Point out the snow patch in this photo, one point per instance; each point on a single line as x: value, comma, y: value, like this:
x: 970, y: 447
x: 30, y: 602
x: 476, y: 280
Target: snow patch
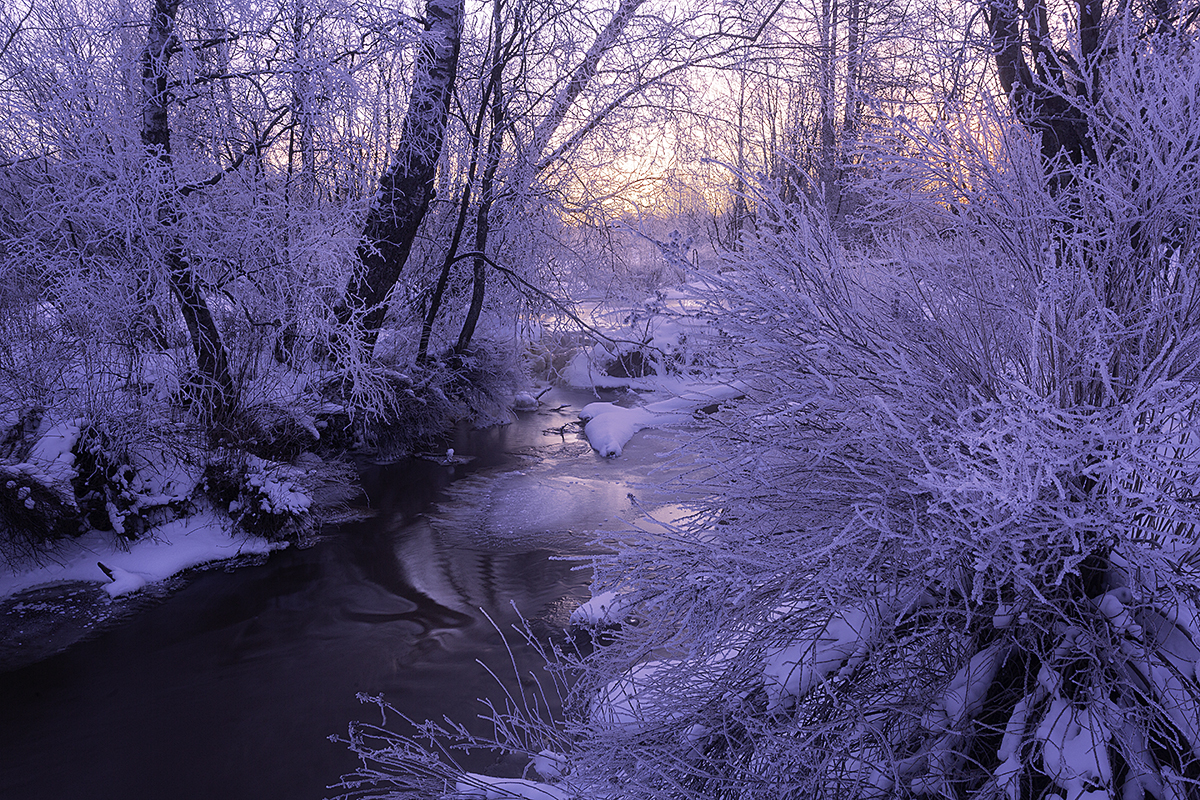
x: 173, y: 547
x: 838, y: 646
x: 550, y: 765
x: 1075, y: 750
x: 485, y: 787
x: 605, y: 609
x: 525, y: 401
x: 964, y: 697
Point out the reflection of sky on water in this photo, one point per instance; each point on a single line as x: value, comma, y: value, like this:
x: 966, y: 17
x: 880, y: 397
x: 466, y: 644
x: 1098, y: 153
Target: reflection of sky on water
x: 230, y: 685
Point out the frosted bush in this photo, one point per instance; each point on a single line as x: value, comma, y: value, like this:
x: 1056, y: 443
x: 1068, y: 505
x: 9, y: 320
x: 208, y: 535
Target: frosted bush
x: 952, y: 549
x: 964, y: 471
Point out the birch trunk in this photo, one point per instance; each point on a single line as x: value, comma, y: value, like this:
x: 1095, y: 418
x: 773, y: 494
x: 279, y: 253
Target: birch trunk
x: 407, y: 187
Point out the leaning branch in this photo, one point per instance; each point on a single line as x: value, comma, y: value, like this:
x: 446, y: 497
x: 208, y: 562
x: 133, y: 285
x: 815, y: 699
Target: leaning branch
x: 514, y: 278
x: 257, y: 146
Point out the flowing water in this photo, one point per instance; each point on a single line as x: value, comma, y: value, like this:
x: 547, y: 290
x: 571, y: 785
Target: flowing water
x: 230, y: 683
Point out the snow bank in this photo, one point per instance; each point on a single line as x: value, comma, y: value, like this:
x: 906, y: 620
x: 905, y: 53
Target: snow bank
x: 605, y: 609
x: 609, y: 427
x: 173, y: 547
x: 487, y: 788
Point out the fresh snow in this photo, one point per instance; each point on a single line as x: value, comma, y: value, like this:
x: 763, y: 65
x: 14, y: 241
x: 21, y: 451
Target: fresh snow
x: 51, y: 453
x: 605, y: 609
x: 169, y: 549
x: 609, y: 427
x: 485, y: 787
x: 525, y: 401
x: 964, y: 697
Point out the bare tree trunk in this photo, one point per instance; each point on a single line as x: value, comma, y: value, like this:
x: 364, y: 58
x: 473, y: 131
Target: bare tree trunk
x: 300, y: 194
x: 534, y: 153
x: 854, y: 63
x: 407, y: 187
x: 739, y: 212
x: 216, y: 394
x: 582, y: 76
x: 1040, y: 95
x: 487, y: 193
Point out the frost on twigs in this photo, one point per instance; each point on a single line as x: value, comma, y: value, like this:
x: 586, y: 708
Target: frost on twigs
x: 525, y: 735
x: 395, y: 410
x: 266, y: 498
x: 956, y: 537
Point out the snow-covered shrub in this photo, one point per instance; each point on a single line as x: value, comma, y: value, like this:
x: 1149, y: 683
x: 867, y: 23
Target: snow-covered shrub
x: 266, y: 498
x: 661, y: 337
x: 104, y: 483
x: 395, y: 410
x: 952, y: 550
x: 957, y: 543
x: 278, y: 432
x: 128, y: 479
x: 33, y: 511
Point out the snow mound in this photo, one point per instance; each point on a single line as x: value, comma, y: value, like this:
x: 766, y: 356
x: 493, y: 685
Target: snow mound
x: 609, y: 427
x: 524, y: 401
x: 605, y: 609
x: 550, y: 765
x: 173, y: 547
x: 487, y: 788
x: 836, y: 647
x: 637, y: 699
x: 51, y: 453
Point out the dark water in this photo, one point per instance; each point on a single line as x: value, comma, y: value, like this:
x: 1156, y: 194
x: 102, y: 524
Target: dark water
x: 231, y: 684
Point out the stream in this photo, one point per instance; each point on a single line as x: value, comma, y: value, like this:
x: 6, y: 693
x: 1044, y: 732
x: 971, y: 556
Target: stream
x: 229, y: 682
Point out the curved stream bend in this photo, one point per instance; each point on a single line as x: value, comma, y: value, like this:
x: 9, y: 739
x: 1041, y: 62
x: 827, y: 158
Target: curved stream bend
x: 231, y: 684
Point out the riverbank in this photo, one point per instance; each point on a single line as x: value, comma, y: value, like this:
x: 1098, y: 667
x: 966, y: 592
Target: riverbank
x: 231, y: 681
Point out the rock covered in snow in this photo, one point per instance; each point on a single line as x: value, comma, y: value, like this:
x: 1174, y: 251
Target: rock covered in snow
x: 525, y: 401
x: 604, y: 610
x: 609, y: 427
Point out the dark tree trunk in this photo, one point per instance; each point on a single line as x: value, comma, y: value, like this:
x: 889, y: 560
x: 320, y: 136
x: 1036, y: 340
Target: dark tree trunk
x: 1040, y: 95
x: 407, y: 187
x: 439, y: 291
x: 216, y: 394
x: 487, y: 191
